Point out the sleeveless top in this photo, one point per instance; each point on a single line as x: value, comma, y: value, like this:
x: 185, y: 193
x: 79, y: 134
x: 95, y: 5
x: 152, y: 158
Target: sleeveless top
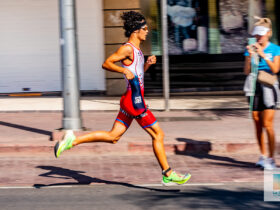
x: 132, y: 100
x: 137, y: 66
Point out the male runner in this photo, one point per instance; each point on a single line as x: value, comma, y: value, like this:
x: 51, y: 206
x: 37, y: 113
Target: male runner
x: 132, y: 105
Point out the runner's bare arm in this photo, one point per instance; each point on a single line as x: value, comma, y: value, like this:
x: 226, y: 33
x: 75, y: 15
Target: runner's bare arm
x: 124, y: 52
x: 150, y: 61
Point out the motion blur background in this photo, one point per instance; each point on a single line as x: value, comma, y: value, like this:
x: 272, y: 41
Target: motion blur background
x: 206, y: 41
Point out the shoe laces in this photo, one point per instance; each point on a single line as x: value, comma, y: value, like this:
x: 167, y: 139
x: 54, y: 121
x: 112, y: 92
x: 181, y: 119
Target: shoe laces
x: 178, y: 175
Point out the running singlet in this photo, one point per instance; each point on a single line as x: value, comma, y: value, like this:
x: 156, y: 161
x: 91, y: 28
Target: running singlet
x: 132, y: 100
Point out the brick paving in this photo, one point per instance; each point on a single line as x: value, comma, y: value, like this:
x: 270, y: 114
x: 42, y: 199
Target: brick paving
x: 123, y: 169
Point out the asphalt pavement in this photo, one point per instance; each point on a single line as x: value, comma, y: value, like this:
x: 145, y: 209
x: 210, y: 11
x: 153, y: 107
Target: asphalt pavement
x: 135, y: 197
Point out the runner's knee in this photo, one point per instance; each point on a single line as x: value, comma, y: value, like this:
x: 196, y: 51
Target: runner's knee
x: 159, y: 136
x: 114, y: 138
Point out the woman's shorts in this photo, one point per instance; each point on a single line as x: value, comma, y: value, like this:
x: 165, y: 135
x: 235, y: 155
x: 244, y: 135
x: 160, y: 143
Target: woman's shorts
x: 258, y: 104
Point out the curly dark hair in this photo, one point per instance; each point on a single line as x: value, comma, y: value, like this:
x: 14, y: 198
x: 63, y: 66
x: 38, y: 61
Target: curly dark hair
x: 131, y: 21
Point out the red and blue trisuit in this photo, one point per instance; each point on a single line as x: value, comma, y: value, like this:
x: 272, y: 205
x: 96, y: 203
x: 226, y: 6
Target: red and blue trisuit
x: 132, y: 104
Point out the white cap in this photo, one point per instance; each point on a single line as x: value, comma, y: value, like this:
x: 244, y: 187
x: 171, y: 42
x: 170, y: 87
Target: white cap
x: 260, y: 30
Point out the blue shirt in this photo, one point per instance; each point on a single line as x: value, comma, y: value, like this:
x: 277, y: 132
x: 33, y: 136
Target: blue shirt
x: 270, y: 52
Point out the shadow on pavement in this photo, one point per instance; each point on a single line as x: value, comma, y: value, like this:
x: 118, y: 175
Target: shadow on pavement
x: 30, y: 129
x: 201, y: 149
x: 202, y: 198
x: 231, y: 113
x: 193, y: 146
x: 81, y: 179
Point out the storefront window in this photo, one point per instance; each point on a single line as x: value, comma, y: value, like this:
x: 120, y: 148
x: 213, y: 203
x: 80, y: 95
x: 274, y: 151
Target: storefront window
x: 270, y: 8
x: 233, y: 25
x: 207, y: 26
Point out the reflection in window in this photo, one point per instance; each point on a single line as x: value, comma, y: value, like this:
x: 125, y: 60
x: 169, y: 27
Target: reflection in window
x: 207, y: 26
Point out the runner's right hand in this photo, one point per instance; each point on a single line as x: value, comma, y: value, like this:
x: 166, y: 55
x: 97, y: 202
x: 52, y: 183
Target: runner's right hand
x: 128, y: 74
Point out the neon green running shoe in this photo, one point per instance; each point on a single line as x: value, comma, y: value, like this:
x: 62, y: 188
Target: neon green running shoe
x: 65, y: 144
x: 175, y: 179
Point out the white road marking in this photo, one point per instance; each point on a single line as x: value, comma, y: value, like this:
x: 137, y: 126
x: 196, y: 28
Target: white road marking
x: 185, y: 185
x: 32, y: 187
x: 140, y: 185
x: 17, y: 187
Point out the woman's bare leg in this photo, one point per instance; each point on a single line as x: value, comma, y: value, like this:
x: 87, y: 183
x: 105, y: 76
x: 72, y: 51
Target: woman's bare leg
x: 268, y: 117
x: 258, y: 120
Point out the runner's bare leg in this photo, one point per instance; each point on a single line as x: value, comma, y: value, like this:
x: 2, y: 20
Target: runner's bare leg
x: 103, y: 136
x: 157, y: 135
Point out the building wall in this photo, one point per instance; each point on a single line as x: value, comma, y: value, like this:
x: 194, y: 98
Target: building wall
x: 91, y: 48
x: 114, y: 38
x: 30, y: 50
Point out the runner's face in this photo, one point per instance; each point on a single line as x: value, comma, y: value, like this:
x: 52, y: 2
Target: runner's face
x: 143, y: 32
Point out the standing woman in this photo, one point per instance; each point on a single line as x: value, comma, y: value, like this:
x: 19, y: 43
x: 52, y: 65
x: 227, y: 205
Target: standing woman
x: 266, y: 97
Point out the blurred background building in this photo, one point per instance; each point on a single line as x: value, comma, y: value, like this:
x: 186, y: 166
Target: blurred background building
x: 207, y: 39
x: 30, y: 45
x: 206, y: 43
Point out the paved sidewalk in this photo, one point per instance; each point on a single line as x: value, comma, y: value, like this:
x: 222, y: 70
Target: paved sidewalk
x: 112, y: 103
x: 198, y: 131
x: 27, y: 123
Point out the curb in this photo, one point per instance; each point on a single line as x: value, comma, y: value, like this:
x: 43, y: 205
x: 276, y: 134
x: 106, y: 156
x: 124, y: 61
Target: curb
x: 198, y: 148
x: 51, y: 93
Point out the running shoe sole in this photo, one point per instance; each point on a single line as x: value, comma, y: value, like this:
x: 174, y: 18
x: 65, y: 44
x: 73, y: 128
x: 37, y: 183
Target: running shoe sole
x: 259, y: 165
x: 55, y: 149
